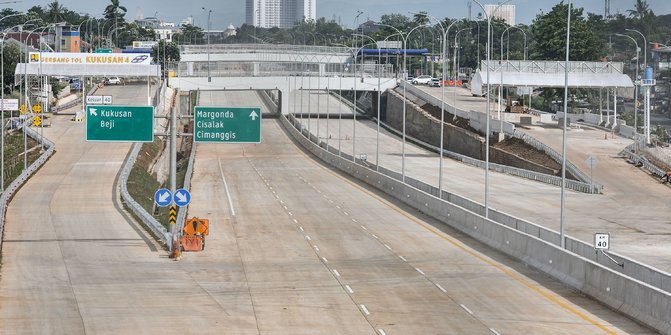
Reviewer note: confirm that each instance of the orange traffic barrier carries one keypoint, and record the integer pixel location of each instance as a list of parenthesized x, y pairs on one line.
[(192, 242), (196, 226)]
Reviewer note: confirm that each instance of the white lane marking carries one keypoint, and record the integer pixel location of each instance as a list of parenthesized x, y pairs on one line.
[(285, 207), (347, 214), (282, 202), (330, 201), (381, 331), (325, 260), (364, 309), (349, 289), (354, 220), (494, 331), (375, 236), (420, 271), (291, 214), (388, 247), (403, 258), (301, 228), (336, 272), (364, 228), (316, 248), (441, 288), (295, 221), (228, 194), (308, 237), (466, 309), (277, 196)]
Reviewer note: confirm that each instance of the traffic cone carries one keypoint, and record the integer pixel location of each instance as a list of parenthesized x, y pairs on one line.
[(605, 136)]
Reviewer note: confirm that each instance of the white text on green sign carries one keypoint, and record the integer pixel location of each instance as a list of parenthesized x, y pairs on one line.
[(120, 123), (227, 124)]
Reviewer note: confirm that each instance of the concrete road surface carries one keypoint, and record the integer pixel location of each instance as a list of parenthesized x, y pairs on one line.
[(634, 207), (307, 251)]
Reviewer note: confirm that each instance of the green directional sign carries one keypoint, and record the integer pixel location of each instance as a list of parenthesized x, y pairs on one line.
[(119, 123), (103, 51), (227, 124)]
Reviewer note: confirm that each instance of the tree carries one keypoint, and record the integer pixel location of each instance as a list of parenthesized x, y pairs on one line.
[(115, 11), (549, 36), (55, 12), (641, 10), (190, 35), (420, 18), (12, 21), (11, 58), (165, 53), (398, 21)]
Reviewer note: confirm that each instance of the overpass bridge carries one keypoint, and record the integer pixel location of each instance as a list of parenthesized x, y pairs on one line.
[(286, 68)]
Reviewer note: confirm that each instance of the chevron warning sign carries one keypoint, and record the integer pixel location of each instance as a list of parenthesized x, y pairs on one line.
[(173, 214)]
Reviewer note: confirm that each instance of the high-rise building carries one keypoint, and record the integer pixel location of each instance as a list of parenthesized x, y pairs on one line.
[(279, 13), (505, 13)]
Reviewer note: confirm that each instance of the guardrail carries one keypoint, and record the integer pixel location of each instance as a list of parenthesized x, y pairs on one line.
[(147, 219), (646, 164), (636, 290), (25, 175)]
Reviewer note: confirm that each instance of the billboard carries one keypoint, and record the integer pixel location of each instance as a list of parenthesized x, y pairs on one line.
[(144, 44), (89, 59)]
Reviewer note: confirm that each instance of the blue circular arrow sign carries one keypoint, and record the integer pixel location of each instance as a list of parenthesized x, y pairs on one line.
[(182, 197), (163, 197)]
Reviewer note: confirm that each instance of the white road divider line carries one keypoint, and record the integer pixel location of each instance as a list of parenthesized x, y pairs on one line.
[(441, 288), (325, 260), (403, 258), (336, 272), (308, 237), (316, 248), (364, 309), (295, 221), (387, 246), (228, 194), (375, 236), (349, 289), (364, 228), (494, 331), (466, 309), (346, 214), (301, 228), (381, 331), (420, 271)]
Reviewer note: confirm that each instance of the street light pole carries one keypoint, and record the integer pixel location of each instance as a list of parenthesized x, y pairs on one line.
[(647, 107), (489, 87), (209, 77), (638, 50), (2, 107), (563, 160)]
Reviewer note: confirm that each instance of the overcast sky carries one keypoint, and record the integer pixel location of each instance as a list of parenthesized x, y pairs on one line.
[(225, 12)]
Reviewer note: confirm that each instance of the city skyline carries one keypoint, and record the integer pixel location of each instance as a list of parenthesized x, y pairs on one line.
[(225, 12)]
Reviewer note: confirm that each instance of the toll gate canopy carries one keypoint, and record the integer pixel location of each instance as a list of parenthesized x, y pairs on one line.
[(88, 65), (515, 73)]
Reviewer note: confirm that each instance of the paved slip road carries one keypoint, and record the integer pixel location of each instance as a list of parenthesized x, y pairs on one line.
[(634, 207), (295, 248)]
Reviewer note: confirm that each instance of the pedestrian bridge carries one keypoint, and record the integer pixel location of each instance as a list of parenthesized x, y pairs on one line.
[(285, 68)]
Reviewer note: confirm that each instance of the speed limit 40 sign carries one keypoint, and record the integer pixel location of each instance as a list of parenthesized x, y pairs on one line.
[(601, 241)]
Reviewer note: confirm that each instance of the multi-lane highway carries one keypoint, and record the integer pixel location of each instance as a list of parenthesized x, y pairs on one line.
[(633, 207), (295, 248)]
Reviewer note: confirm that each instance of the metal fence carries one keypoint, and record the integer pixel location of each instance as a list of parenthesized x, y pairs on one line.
[(282, 69), (25, 175), (264, 48)]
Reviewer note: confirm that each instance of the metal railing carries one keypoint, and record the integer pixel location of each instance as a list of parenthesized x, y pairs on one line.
[(519, 66), (282, 69), (264, 48), (25, 175)]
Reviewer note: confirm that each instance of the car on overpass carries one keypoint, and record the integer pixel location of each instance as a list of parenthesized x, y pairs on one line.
[(423, 79)]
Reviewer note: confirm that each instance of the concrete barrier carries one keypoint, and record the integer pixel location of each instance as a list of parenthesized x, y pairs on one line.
[(636, 299)]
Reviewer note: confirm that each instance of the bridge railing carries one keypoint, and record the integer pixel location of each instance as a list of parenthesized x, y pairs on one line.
[(263, 48), (282, 69)]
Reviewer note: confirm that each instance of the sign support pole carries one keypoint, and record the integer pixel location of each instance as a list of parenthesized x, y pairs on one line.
[(173, 158)]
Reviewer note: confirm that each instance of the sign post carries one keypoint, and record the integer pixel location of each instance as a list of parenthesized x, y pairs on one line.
[(227, 124), (120, 123)]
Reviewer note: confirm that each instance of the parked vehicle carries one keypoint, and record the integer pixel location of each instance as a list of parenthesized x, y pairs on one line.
[(435, 82), (423, 79)]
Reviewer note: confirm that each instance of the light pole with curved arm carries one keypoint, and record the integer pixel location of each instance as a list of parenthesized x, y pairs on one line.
[(405, 57), (489, 87), (647, 107), (524, 51), (638, 50), (2, 105)]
